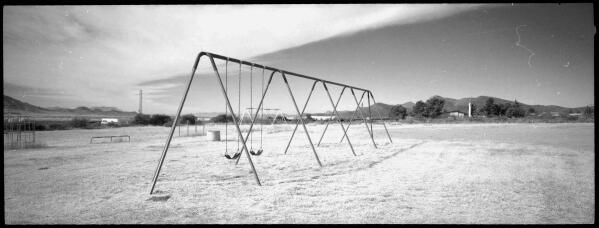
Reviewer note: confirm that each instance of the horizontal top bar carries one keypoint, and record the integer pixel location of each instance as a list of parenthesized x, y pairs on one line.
[(278, 70)]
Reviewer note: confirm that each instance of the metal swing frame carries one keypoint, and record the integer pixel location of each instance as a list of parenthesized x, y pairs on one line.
[(283, 74)]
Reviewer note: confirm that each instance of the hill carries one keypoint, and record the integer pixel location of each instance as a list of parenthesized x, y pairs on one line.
[(14, 106), (461, 105)]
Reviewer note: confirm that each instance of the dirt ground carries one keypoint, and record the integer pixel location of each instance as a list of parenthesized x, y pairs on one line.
[(442, 173)]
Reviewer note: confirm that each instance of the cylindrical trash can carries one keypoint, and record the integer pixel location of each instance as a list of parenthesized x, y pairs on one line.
[(214, 135)]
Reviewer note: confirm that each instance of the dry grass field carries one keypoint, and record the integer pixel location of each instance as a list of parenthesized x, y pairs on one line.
[(440, 173)]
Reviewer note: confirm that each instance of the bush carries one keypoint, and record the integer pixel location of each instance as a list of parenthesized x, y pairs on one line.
[(113, 124), (79, 122), (159, 119), (434, 107), (188, 118), (398, 112), (141, 119), (40, 127), (58, 126), (419, 110), (222, 118)]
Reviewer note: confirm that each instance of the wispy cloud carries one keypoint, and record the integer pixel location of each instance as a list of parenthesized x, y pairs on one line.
[(99, 53)]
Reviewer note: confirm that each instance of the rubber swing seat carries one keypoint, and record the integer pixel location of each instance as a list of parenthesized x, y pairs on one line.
[(235, 156), (256, 153)]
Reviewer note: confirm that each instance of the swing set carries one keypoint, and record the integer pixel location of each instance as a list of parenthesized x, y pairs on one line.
[(242, 146)]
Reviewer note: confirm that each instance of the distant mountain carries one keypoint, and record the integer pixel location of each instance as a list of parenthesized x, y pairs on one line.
[(12, 105), (16, 106), (377, 109), (106, 109)]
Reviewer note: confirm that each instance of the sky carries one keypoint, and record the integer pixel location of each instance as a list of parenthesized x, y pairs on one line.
[(70, 56)]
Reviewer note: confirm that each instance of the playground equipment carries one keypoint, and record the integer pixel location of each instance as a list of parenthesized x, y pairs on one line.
[(19, 130), (242, 141), (91, 140), (266, 113)]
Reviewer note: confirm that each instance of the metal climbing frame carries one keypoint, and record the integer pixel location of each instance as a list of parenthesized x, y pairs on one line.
[(283, 74)]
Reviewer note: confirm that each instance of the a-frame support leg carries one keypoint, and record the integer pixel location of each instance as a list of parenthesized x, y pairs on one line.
[(338, 117), (235, 121), (300, 118), (170, 135), (298, 122), (388, 135), (253, 119), (329, 121), (362, 115)]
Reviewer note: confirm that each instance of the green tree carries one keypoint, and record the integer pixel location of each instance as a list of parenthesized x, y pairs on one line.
[(398, 112), (79, 122), (588, 112), (434, 107), (141, 119), (473, 110), (515, 111), (419, 109), (502, 109), (222, 118), (188, 118), (159, 119), (531, 110), (490, 108)]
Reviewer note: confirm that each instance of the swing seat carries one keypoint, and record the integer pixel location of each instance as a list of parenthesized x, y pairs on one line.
[(235, 156), (256, 153)]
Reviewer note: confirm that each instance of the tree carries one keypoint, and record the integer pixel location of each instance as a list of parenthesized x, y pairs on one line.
[(159, 119), (398, 112), (515, 112), (531, 110), (141, 119), (490, 108), (588, 112), (419, 109), (502, 109), (473, 109), (434, 106), (222, 118), (188, 117), (79, 122)]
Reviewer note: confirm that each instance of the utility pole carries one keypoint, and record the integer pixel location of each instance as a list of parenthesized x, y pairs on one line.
[(140, 98)]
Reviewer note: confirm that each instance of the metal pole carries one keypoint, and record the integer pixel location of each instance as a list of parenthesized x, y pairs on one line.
[(370, 115), (356, 111), (329, 121), (300, 118), (234, 121), (304, 109), (338, 117), (170, 136), (388, 136), (282, 71), (363, 118), (352, 117), (255, 115)]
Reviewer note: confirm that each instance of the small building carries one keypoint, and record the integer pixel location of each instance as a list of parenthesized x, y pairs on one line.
[(109, 120), (554, 114), (323, 117), (203, 119), (294, 117), (575, 114), (457, 114)]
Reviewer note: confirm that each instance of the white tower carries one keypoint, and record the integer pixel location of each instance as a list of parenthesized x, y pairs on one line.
[(469, 109)]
